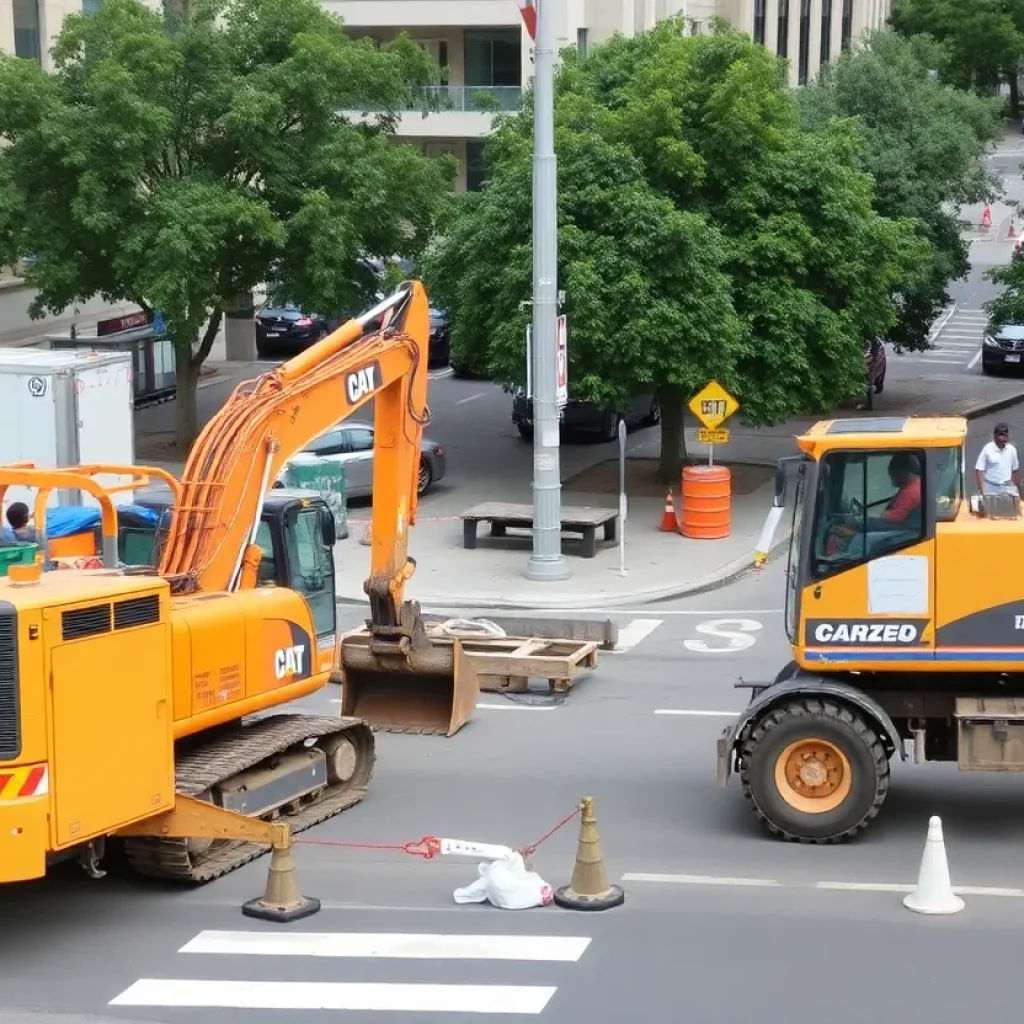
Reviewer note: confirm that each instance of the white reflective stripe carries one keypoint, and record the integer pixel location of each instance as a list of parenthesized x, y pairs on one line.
[(467, 848)]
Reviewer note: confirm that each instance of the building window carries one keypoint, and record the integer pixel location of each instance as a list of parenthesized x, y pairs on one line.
[(847, 24), (759, 21), (26, 30), (826, 30), (437, 48), (581, 42), (493, 58), (476, 170), (805, 42), (91, 7), (782, 47)]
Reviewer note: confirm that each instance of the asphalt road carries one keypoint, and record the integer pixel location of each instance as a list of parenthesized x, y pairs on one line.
[(731, 905)]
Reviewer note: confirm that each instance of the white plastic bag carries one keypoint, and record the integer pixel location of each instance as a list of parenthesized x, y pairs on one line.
[(506, 883)]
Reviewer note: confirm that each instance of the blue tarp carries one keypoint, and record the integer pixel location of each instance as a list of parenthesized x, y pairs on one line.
[(66, 522)]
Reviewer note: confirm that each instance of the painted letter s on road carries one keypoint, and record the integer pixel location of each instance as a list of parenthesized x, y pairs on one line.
[(738, 638)]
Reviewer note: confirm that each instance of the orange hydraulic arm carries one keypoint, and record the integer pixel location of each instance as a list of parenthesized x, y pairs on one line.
[(240, 452)]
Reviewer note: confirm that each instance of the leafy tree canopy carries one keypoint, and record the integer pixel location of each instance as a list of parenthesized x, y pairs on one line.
[(714, 238), (172, 164), (922, 141), (982, 40)]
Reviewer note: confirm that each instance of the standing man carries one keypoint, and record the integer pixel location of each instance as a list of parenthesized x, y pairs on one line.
[(997, 468)]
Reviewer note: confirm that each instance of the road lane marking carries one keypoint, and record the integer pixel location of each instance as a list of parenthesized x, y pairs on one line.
[(631, 634), (641, 876), (517, 707), (773, 883), (392, 946), (471, 398), (336, 995), (738, 638), (495, 707), (697, 714), (974, 362)]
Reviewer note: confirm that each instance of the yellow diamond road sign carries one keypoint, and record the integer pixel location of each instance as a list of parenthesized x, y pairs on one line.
[(713, 405)]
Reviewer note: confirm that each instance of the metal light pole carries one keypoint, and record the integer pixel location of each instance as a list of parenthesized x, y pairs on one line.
[(547, 561)]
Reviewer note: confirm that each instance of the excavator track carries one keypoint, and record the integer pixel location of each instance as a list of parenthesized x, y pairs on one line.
[(216, 760)]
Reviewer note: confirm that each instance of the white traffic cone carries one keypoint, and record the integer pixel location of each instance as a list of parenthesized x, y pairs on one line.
[(934, 893)]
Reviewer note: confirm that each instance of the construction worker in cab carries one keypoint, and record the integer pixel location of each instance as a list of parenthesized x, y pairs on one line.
[(19, 528)]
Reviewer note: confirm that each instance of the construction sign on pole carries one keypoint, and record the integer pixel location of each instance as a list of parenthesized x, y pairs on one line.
[(712, 406)]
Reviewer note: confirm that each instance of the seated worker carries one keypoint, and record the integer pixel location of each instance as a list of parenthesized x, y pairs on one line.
[(20, 530), (904, 508)]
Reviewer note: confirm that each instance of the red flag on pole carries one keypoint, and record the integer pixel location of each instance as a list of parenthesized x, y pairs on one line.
[(528, 10)]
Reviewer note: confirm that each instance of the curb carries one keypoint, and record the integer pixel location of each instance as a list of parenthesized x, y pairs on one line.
[(728, 573), (979, 409)]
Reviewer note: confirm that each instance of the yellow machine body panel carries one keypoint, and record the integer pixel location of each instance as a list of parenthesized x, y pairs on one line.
[(86, 742), (239, 653), (937, 592)]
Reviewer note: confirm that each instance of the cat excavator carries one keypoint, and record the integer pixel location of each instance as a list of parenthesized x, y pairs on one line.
[(134, 700)]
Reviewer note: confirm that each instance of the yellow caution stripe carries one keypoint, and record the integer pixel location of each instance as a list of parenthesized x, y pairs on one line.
[(27, 780)]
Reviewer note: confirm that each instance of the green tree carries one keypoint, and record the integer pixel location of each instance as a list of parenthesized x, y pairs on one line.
[(983, 40), (922, 143), (647, 304), (172, 165), (712, 133), (1008, 306)]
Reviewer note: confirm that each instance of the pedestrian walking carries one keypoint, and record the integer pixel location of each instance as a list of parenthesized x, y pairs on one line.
[(997, 468)]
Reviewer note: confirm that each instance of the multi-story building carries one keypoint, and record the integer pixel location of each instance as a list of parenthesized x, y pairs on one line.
[(486, 53)]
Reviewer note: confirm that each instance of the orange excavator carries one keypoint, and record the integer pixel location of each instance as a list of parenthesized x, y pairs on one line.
[(128, 695)]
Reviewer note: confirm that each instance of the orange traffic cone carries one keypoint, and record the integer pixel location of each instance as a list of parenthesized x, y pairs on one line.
[(986, 217), (669, 522)]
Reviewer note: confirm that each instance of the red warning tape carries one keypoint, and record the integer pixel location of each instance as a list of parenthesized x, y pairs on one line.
[(430, 846)]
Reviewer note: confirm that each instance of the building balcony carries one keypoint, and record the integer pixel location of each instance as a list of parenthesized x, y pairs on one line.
[(453, 111)]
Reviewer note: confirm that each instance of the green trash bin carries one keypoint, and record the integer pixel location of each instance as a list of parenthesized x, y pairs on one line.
[(327, 478), (16, 554)]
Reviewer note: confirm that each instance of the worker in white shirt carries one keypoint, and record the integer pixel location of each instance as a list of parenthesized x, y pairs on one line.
[(997, 468)]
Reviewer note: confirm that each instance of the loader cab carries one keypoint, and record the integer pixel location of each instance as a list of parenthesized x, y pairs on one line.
[(297, 535), (865, 489)]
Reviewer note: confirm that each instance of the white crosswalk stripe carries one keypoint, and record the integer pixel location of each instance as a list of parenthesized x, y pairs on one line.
[(956, 340), (260, 991)]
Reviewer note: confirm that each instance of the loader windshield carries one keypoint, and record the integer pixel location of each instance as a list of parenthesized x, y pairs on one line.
[(311, 569)]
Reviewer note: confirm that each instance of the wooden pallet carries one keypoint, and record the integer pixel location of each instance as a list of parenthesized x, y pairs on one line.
[(506, 664)]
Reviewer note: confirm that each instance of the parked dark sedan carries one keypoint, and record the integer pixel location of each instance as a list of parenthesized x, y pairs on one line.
[(286, 330), (440, 337), (589, 417), (1003, 349)]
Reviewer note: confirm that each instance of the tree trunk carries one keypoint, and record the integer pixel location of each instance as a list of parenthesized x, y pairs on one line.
[(673, 438), (186, 410), (1011, 79)]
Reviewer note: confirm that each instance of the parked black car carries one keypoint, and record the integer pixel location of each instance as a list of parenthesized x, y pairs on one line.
[(284, 329), (440, 337), (1003, 349), (589, 417)]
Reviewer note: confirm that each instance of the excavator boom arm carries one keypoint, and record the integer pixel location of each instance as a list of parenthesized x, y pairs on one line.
[(267, 420)]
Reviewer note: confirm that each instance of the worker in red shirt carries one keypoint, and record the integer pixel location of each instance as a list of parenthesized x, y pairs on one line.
[(904, 473)]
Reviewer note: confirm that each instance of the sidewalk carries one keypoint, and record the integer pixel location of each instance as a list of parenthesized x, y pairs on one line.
[(659, 565)]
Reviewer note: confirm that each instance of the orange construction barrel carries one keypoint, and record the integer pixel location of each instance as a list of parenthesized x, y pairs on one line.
[(706, 497)]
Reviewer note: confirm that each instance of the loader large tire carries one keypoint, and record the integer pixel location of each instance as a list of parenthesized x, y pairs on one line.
[(814, 771)]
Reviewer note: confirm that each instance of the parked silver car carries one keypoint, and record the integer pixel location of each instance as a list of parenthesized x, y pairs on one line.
[(351, 443)]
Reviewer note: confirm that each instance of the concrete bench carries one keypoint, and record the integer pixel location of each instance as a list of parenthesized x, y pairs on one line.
[(504, 516)]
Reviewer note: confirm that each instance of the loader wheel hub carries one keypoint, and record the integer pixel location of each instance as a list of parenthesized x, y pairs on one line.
[(813, 776)]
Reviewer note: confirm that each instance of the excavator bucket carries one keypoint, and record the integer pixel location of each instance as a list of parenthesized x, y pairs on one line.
[(431, 691)]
